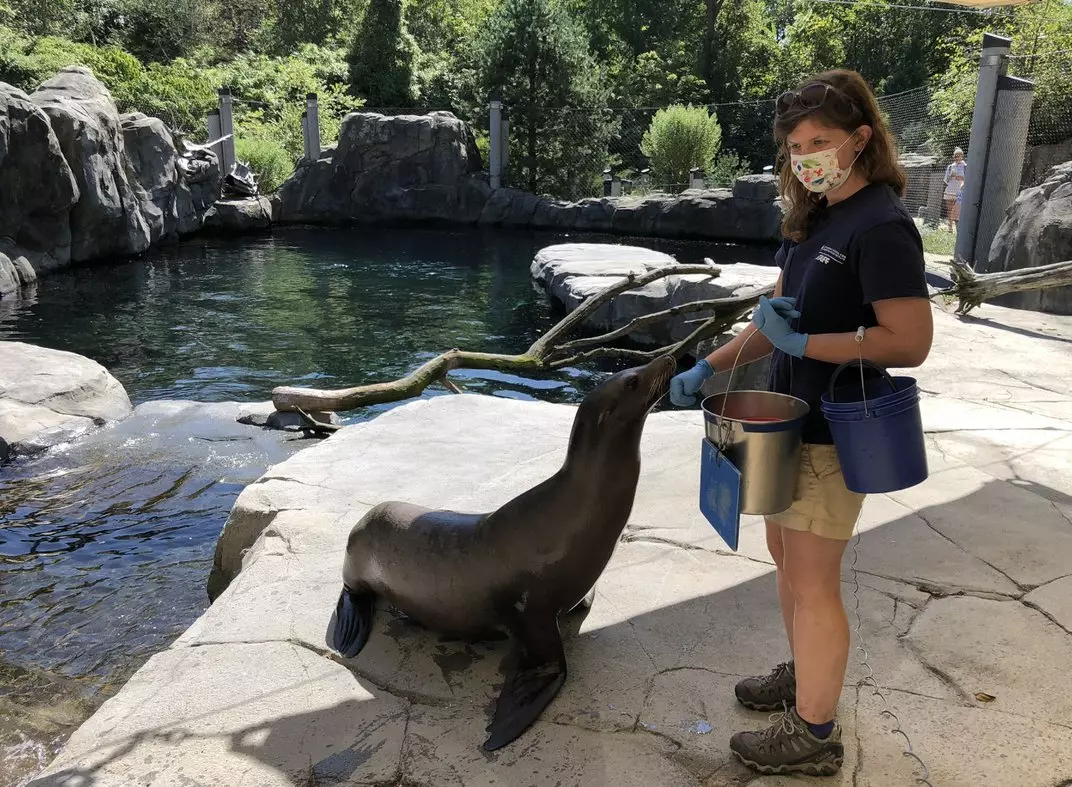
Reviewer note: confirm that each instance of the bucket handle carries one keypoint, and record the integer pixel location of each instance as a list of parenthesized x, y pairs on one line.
[(863, 390), (723, 430)]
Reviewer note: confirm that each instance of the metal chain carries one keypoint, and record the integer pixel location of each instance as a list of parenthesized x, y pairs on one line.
[(869, 679)]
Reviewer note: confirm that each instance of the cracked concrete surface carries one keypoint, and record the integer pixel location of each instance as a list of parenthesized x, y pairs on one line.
[(963, 603)]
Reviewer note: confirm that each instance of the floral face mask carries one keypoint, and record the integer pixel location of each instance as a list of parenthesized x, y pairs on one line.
[(820, 171)]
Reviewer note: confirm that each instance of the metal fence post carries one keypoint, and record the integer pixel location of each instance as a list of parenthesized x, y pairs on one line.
[(504, 155), (992, 64), (495, 152), (214, 133), (1005, 166), (311, 127), (227, 151)]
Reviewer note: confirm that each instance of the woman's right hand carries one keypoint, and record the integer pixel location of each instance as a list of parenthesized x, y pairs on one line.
[(684, 386)]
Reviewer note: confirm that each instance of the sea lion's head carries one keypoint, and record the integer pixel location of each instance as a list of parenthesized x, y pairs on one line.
[(626, 398)]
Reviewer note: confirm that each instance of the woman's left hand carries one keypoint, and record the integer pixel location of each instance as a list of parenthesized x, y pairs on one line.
[(776, 328)]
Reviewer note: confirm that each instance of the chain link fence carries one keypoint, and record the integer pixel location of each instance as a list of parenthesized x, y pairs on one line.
[(1049, 131)]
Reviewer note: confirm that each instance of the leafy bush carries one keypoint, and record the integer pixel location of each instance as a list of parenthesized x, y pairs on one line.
[(726, 168), (680, 138), (267, 158)]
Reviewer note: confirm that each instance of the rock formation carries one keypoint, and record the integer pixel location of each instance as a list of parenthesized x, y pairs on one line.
[(78, 181), (47, 396), (383, 168), (1037, 231), (573, 272), (427, 168), (37, 192), (109, 217), (180, 190)]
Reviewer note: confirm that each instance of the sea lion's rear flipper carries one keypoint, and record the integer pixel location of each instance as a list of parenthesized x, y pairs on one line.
[(353, 621), (537, 673)]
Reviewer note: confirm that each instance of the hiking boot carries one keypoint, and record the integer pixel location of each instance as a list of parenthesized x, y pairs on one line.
[(788, 746), (770, 692)]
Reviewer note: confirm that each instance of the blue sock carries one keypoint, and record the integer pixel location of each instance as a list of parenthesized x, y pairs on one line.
[(821, 730)]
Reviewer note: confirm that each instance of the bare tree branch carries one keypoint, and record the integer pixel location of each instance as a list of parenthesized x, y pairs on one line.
[(749, 300), (537, 358), (972, 288), (541, 346)]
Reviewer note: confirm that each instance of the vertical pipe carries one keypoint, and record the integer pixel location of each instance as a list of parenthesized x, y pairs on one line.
[(312, 124), (215, 133), (992, 64), (495, 154), (227, 160), (1005, 166)]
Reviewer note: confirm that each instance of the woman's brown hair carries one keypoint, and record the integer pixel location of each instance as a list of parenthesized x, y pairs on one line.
[(878, 161)]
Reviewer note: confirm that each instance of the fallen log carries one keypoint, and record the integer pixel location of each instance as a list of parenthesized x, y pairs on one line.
[(973, 289)]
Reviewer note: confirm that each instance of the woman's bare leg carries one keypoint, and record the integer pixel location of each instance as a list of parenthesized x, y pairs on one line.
[(785, 594), (820, 627)]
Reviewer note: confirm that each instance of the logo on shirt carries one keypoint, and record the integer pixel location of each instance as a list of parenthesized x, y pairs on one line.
[(827, 255)]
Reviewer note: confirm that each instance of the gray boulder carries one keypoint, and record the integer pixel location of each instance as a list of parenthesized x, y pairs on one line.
[(239, 215), (572, 273), (48, 396), (1037, 231), (178, 190), (110, 215), (37, 192), (421, 167), (756, 187)]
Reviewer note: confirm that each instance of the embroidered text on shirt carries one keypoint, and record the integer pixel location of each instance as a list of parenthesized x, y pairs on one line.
[(827, 255)]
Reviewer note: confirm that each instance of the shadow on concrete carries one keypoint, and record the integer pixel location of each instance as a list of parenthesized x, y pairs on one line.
[(989, 322), (735, 630)]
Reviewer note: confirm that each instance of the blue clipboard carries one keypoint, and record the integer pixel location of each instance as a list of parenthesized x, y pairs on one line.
[(720, 493)]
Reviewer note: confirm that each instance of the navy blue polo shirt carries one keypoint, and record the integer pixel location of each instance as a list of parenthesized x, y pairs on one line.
[(863, 249)]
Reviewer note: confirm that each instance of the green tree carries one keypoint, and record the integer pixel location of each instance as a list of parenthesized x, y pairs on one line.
[(383, 56), (535, 56), (307, 22), (679, 139), (162, 30), (1041, 51), (42, 17)]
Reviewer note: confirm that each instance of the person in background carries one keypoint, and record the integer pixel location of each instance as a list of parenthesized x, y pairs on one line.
[(954, 188), (852, 257)]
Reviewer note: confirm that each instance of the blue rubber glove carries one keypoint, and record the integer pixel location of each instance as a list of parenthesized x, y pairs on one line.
[(776, 328), (683, 386), (784, 305)]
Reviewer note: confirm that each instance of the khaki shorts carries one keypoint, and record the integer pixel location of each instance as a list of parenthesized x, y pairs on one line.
[(822, 504)]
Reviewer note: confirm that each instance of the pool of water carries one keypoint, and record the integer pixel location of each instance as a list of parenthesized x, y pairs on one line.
[(105, 544)]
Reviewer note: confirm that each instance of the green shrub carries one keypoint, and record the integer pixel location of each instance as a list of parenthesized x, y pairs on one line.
[(726, 168), (680, 138), (268, 159)]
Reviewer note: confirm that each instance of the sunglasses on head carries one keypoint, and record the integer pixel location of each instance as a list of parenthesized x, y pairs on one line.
[(815, 95)]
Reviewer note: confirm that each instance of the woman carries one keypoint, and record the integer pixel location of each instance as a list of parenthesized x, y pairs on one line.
[(851, 257), (954, 188)]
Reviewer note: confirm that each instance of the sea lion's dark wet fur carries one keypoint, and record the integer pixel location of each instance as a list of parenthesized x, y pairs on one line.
[(518, 567)]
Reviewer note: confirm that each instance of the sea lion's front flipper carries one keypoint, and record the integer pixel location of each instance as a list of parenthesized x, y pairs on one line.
[(535, 677), (353, 621)]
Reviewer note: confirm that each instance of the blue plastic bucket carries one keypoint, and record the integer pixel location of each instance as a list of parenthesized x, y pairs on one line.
[(884, 411), (879, 440), (846, 398)]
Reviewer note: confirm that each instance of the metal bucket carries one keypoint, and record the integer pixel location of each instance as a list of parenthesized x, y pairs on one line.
[(759, 432)]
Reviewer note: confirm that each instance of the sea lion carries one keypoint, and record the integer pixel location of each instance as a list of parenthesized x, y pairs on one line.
[(515, 569)]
